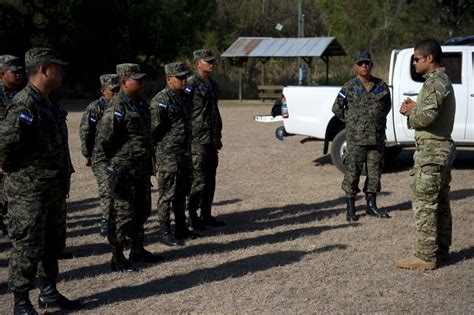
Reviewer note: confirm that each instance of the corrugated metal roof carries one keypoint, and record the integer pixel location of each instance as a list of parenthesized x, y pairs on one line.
[(284, 47)]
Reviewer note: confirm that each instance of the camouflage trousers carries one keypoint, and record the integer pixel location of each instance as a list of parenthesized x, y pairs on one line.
[(127, 216), (356, 156), (3, 199), (431, 176), (173, 187), (37, 228), (205, 161), (103, 184)]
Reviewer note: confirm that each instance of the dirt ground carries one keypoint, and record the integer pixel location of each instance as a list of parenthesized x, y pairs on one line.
[(286, 247)]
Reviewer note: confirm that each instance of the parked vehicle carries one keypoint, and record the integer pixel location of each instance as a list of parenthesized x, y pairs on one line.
[(307, 110)]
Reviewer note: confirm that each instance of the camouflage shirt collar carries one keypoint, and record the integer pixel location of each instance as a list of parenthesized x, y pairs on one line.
[(434, 72)]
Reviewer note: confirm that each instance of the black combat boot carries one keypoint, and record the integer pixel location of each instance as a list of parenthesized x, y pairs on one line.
[(351, 211), (211, 221), (23, 304), (166, 237), (104, 227), (50, 297), (372, 207), (139, 254), (119, 262), (195, 222), (183, 233)]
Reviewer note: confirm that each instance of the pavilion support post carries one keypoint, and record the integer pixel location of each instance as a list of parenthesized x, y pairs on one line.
[(242, 61)]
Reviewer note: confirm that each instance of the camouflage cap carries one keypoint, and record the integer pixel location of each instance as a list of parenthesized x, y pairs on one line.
[(131, 70), (39, 55), (9, 62), (109, 81), (362, 56), (205, 54), (176, 69)]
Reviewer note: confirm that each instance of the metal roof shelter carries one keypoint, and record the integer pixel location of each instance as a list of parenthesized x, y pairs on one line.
[(269, 47)]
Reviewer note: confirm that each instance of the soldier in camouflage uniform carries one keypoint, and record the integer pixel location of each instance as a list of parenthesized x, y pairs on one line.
[(363, 104), (171, 130), (432, 117), (206, 129), (124, 136), (35, 156), (11, 76), (88, 127)]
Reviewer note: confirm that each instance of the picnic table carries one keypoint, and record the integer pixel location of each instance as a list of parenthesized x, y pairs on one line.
[(270, 92)]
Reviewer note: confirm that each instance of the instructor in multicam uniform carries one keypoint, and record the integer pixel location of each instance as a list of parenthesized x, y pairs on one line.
[(432, 117), (206, 142), (363, 104)]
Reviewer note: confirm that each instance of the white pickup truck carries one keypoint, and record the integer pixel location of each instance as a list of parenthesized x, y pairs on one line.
[(306, 110)]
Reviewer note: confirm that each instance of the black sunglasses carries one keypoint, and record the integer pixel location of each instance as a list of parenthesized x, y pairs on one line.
[(181, 77), (416, 59), (364, 62)]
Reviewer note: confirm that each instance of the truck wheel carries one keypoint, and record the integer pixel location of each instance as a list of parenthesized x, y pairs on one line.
[(391, 153), (338, 147)]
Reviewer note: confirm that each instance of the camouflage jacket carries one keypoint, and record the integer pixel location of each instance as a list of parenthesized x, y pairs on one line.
[(364, 111), (206, 119), (124, 133), (88, 126), (171, 127), (6, 97), (433, 116), (34, 139)]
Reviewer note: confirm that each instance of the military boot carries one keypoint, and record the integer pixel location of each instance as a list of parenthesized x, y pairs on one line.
[(182, 232), (119, 262), (166, 237), (195, 222), (23, 304), (139, 254), (50, 297), (210, 220), (104, 227), (372, 207), (351, 211), (415, 263)]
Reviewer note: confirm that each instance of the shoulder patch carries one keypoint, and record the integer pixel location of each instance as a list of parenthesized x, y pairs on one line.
[(188, 89), (160, 104), (92, 120), (341, 95), (118, 114), (26, 118), (379, 89)]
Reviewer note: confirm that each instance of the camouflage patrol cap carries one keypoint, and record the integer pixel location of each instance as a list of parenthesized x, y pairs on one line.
[(176, 69), (131, 70), (39, 55), (9, 62), (109, 81), (362, 56), (205, 54)]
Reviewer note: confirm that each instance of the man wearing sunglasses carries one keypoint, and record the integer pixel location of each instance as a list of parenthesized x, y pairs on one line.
[(171, 132), (363, 104), (432, 117)]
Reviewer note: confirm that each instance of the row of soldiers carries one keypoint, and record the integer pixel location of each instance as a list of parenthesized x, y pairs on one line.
[(125, 140)]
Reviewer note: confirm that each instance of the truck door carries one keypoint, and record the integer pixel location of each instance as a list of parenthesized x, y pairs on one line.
[(470, 98)]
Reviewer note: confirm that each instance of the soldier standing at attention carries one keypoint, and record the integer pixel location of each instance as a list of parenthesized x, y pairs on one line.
[(88, 127), (34, 155), (171, 130), (206, 142), (363, 104), (124, 136), (432, 117), (11, 76)]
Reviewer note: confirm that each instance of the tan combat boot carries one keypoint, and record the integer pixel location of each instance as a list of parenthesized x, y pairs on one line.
[(415, 263)]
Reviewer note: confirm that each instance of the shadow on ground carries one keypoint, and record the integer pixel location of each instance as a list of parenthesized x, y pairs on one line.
[(175, 283)]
